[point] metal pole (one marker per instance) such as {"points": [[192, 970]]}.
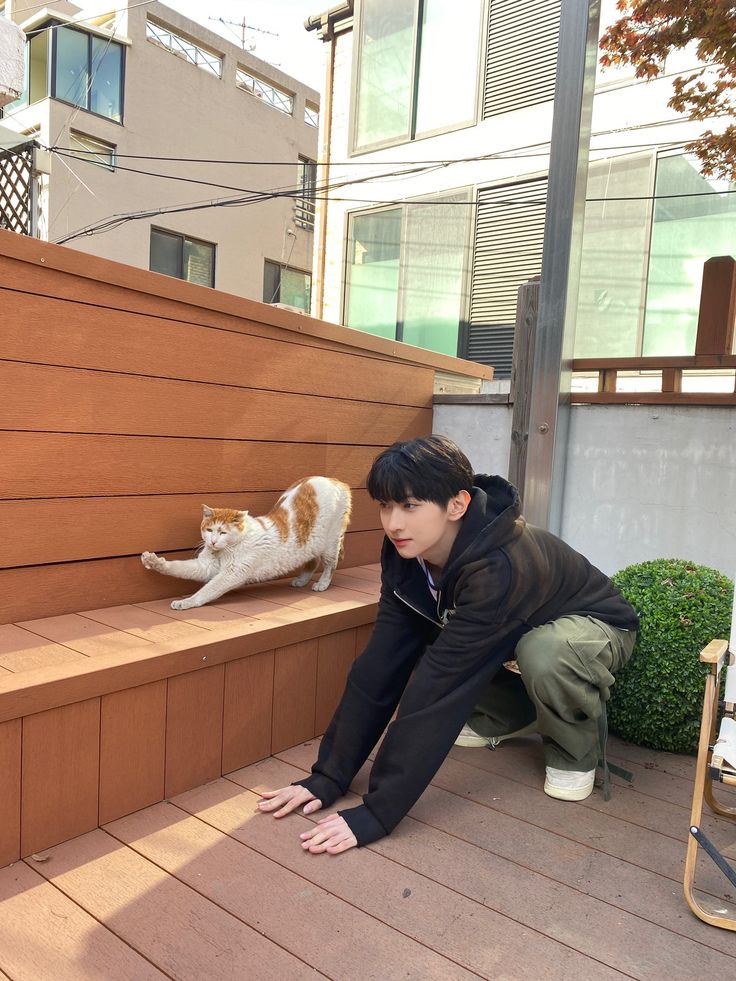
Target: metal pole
{"points": [[568, 172]]}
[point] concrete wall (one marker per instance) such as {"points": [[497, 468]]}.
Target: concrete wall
{"points": [[643, 482], [175, 109]]}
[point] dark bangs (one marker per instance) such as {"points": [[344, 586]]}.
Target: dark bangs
{"points": [[431, 468]]}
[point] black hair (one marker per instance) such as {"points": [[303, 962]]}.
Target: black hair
{"points": [[429, 468]]}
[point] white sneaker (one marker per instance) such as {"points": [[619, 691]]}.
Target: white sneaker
{"points": [[469, 737], [568, 784]]}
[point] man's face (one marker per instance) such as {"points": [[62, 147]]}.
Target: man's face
{"points": [[421, 528]]}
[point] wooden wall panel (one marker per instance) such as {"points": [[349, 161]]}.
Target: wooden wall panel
{"points": [[69, 529], [10, 757], [174, 349], [41, 398], [294, 694], [248, 711], [165, 392], [194, 716], [336, 652], [60, 777], [132, 747], [52, 590], [42, 465]]}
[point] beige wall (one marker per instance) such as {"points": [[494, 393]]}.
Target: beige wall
{"points": [[173, 108]]}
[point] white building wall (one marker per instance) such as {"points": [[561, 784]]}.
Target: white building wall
{"points": [[627, 114]]}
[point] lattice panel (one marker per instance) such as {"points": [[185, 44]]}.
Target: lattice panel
{"points": [[15, 190]]}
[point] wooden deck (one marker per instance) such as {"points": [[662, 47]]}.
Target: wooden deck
{"points": [[487, 878]]}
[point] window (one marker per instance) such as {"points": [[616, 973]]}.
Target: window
{"points": [[76, 67], [208, 61], [284, 285], [183, 257], [92, 150], [311, 115], [304, 206], [267, 91], [89, 72], [407, 270], [685, 232], [416, 69]]}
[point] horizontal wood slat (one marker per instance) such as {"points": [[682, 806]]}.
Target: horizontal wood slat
{"points": [[39, 268], [63, 587], [155, 346], [73, 529], [40, 465], [654, 398], [38, 398]]}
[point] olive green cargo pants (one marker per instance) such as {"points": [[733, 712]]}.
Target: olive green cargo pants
{"points": [[567, 668]]}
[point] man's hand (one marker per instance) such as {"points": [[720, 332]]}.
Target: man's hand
{"points": [[288, 799], [331, 835]]}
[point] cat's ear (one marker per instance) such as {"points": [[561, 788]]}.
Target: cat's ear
{"points": [[207, 512], [244, 513]]}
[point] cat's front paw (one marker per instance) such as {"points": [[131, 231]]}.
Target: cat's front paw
{"points": [[182, 604], [320, 586], [152, 561]]}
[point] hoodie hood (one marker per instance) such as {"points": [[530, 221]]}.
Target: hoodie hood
{"points": [[492, 520]]}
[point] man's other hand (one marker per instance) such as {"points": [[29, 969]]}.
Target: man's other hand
{"points": [[288, 799]]}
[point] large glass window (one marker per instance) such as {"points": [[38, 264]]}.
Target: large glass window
{"points": [[613, 267], [89, 72], [183, 257], [281, 284], [685, 232], [417, 73], [651, 222], [406, 271]]}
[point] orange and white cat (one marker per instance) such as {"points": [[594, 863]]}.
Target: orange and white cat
{"points": [[305, 527]]}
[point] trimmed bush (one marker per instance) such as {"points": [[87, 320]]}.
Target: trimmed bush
{"points": [[658, 696]]}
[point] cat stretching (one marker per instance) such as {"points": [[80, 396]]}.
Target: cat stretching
{"points": [[306, 525]]}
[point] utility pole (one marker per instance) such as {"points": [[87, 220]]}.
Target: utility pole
{"points": [[568, 173]]}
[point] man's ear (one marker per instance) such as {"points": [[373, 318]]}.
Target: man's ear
{"points": [[458, 505]]}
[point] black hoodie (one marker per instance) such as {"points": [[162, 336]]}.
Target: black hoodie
{"points": [[503, 577]]}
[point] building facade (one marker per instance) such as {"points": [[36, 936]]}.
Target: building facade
{"points": [[436, 129], [170, 148]]}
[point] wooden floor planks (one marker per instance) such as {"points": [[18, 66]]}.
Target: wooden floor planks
{"points": [[486, 878]]}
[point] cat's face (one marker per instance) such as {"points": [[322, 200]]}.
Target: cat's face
{"points": [[222, 527]]}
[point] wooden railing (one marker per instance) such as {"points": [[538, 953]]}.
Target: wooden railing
{"points": [[713, 351]]}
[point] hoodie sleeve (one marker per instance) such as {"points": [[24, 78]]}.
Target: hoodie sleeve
{"points": [[374, 686], [447, 683]]}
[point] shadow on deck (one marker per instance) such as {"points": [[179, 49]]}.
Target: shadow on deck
{"points": [[487, 878]]}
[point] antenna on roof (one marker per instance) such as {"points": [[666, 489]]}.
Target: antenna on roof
{"points": [[243, 28]]}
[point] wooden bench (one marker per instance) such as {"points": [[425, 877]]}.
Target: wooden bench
{"points": [[109, 710], [713, 768]]}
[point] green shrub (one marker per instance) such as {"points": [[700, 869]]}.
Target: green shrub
{"points": [[658, 696]]}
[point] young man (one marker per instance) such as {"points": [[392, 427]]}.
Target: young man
{"points": [[485, 626]]}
